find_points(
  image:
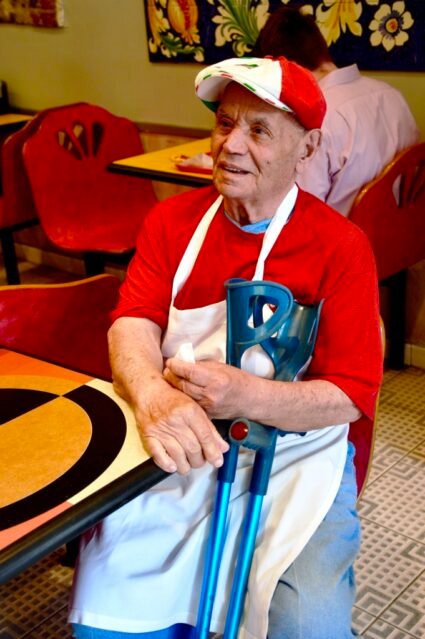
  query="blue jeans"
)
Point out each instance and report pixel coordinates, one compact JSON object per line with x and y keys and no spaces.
{"x":314,"y":597}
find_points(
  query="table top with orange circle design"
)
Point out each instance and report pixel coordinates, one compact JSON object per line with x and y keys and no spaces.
{"x":70,"y":454}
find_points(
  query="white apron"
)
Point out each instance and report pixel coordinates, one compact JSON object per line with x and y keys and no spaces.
{"x":156,"y":543}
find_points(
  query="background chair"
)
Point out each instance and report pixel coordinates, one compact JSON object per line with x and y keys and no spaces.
{"x":83,"y":207}
{"x":16,"y":206}
{"x":17,"y":209}
{"x":63,"y":323}
{"x":391,"y":211}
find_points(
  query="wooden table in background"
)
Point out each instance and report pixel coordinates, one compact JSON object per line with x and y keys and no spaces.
{"x":70,"y":454}
{"x":13,"y":120}
{"x":160,"y":165}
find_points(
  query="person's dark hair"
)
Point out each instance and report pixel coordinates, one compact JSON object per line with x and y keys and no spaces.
{"x":294,"y":35}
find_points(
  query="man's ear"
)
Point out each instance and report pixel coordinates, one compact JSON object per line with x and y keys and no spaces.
{"x":309,"y":145}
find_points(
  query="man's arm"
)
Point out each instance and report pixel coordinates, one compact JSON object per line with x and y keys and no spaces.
{"x":225,"y":392}
{"x":174,"y":429}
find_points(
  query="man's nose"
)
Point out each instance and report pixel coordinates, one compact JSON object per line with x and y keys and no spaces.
{"x":235,"y":141}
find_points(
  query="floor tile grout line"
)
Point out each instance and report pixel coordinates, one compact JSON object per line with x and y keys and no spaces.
{"x":389,"y":398}
{"x":406,"y":454}
{"x":38,"y":625}
{"x":392,"y":530}
{"x":375,"y":479}
{"x":411,"y":412}
{"x":388,"y":623}
{"x":407,"y":634}
{"x":380,"y":618}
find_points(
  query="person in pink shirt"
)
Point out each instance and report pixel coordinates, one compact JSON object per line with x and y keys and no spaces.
{"x":367,"y":121}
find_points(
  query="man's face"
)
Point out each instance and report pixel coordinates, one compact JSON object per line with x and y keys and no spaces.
{"x":255,"y":148}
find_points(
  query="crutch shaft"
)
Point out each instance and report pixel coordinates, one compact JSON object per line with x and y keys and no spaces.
{"x":243,"y":566}
{"x":216,"y":542}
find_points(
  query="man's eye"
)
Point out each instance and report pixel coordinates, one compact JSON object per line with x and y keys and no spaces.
{"x":259,"y":131}
{"x":224,"y":124}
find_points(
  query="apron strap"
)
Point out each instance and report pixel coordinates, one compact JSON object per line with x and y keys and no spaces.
{"x":276,"y":225}
{"x":192,"y":251}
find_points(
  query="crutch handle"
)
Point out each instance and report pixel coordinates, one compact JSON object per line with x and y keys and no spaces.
{"x":245,"y":432}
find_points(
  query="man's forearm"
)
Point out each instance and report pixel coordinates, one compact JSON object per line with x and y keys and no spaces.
{"x":135,"y":355}
{"x":174,"y":429}
{"x":226,"y":392}
{"x":299,"y":406}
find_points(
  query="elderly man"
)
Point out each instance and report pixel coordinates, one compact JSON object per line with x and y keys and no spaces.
{"x":140,"y":570}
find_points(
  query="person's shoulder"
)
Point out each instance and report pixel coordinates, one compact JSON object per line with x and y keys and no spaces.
{"x":379,"y":85}
{"x":347,"y":87}
{"x":340,"y":242}
{"x":370,"y":86}
{"x":327,"y":224}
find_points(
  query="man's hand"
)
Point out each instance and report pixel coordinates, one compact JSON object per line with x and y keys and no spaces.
{"x":218,"y":388}
{"x":177,"y":432}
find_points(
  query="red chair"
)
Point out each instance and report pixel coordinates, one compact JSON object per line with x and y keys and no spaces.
{"x":391,"y":211}
{"x":83,"y":207}
{"x":362,"y":434}
{"x":17,"y":210}
{"x":65,"y":324}
{"x":16,"y":206}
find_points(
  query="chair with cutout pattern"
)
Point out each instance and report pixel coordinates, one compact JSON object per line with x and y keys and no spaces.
{"x":82,"y":206}
{"x":17,"y":209}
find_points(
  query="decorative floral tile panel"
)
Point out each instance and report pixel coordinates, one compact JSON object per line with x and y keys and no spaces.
{"x":376,"y":34}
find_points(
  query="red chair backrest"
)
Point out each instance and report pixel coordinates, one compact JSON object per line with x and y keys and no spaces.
{"x":390,"y":210}
{"x":362,"y":434}
{"x":65,"y":324}
{"x":82,"y":205}
{"x":18,"y":203}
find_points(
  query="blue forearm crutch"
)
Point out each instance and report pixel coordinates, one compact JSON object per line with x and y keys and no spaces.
{"x":288,"y":338}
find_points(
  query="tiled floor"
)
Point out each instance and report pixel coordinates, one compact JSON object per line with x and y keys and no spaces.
{"x":391,"y":566}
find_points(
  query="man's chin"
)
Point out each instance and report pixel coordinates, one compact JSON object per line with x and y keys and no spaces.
{"x":231,"y":186}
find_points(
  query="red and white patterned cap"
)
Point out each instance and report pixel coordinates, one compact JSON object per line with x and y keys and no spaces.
{"x":278,"y":81}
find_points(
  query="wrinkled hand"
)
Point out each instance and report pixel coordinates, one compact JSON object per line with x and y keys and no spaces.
{"x":218,"y":388}
{"x":177,"y":433}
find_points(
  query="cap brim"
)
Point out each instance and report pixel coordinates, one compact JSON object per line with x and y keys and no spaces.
{"x":211,"y":88}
